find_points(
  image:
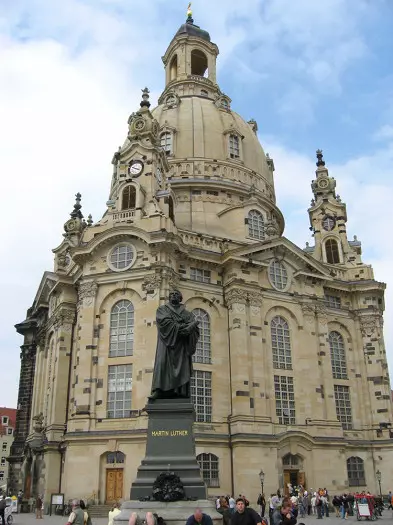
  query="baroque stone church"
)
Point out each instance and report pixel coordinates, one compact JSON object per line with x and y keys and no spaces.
{"x":290,"y":372}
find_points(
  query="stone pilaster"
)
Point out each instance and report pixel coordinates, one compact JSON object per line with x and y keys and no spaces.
{"x":86,"y":350}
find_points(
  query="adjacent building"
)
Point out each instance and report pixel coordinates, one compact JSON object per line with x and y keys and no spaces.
{"x":290,"y":373}
{"x":7,"y":427}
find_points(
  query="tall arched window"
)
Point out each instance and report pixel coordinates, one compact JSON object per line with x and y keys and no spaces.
{"x":332,"y":252}
{"x":281,"y":343}
{"x":122,"y":329}
{"x":173,"y":68}
{"x":171,"y":210}
{"x":128,"y":200}
{"x":355,"y":469}
{"x":166,"y":142}
{"x":203,"y":349}
{"x":337,"y":356}
{"x":208,"y":464}
{"x":256,"y":225}
{"x":198,"y":63}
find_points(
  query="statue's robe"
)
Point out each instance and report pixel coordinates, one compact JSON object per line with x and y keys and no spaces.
{"x":175,"y":348}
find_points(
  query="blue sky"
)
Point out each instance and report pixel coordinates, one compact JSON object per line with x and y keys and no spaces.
{"x":313,"y":75}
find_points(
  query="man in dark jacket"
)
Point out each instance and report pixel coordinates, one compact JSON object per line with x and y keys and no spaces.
{"x":283,"y":515}
{"x":245,"y":515}
{"x":3,"y":505}
{"x":199,"y":518}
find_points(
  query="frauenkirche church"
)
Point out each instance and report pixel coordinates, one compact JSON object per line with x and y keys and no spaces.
{"x":290,"y":371}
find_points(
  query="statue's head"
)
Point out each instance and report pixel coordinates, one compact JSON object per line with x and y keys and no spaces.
{"x":175,"y":297}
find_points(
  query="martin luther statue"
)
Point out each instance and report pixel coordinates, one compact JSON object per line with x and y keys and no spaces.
{"x":178,"y":335}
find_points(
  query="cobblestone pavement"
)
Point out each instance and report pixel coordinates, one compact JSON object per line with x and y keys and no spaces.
{"x":29,"y":519}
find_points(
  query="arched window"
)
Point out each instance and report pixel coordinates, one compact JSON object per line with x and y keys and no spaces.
{"x":337,"y":355}
{"x":171,"y":210}
{"x":355,"y":469}
{"x":203,"y":349}
{"x":234,"y":146}
{"x":332,"y":253}
{"x":166,"y":142}
{"x":281,"y":343}
{"x":208,"y":464}
{"x":198,"y":63}
{"x":122,"y":329}
{"x":115,"y":457}
{"x":128,"y":200}
{"x":291,"y":461}
{"x":173,"y":68}
{"x":256,"y":225}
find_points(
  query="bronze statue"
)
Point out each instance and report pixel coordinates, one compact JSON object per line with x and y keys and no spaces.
{"x":178,"y":335}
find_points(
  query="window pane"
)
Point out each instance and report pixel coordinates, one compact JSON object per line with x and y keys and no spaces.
{"x":343,"y":406}
{"x":208,"y":464}
{"x":256,"y":225}
{"x":121,"y":338}
{"x":281,"y":343}
{"x":203,"y":349}
{"x":337,"y":355}
{"x":201,"y":395}
{"x":278,"y":275}
{"x":119,"y":391}
{"x":285,"y":408}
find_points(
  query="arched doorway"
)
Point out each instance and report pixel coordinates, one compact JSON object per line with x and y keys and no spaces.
{"x":293,"y":473}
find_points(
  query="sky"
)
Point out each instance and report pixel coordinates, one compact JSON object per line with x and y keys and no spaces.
{"x":312,"y":74}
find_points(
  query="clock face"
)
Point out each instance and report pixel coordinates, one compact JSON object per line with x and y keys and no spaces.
{"x":328,"y":223}
{"x":323,"y":183}
{"x":136,"y":168}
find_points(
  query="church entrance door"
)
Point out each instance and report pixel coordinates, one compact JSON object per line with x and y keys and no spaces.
{"x":114,"y":485}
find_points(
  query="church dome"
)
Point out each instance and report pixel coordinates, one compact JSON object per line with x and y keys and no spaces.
{"x":203,"y":129}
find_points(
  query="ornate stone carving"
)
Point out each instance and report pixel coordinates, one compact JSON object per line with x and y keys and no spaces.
{"x":235,"y":296}
{"x":320,"y":310}
{"x":38,"y":422}
{"x":86,"y":293}
{"x":254,"y":298}
{"x":151,"y":282}
{"x":255,"y":311}
{"x":41,"y":339}
{"x":308,"y":309}
{"x":64,"y":319}
{"x":368,"y":325}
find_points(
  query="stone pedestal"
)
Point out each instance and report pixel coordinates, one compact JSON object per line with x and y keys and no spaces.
{"x":175,"y":513}
{"x":170,"y":447}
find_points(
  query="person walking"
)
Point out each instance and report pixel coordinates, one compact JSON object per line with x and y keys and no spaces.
{"x":38,"y":507}
{"x":262,"y":503}
{"x":3,"y":505}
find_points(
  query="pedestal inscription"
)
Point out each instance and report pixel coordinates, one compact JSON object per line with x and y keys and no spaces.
{"x":170,"y":447}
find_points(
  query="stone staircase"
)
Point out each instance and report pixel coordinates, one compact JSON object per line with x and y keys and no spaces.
{"x":99,"y":511}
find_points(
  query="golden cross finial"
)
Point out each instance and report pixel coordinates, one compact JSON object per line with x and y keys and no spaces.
{"x":189,"y":11}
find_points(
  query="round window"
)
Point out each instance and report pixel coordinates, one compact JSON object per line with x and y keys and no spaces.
{"x":121,"y":257}
{"x":278,"y":275}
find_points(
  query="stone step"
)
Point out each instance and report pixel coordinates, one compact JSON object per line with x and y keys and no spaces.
{"x":99,"y":511}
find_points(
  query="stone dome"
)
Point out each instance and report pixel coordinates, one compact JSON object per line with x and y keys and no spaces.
{"x":201,"y":131}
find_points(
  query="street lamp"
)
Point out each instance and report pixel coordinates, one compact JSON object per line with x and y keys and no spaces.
{"x":262,"y":478}
{"x":378,"y":475}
